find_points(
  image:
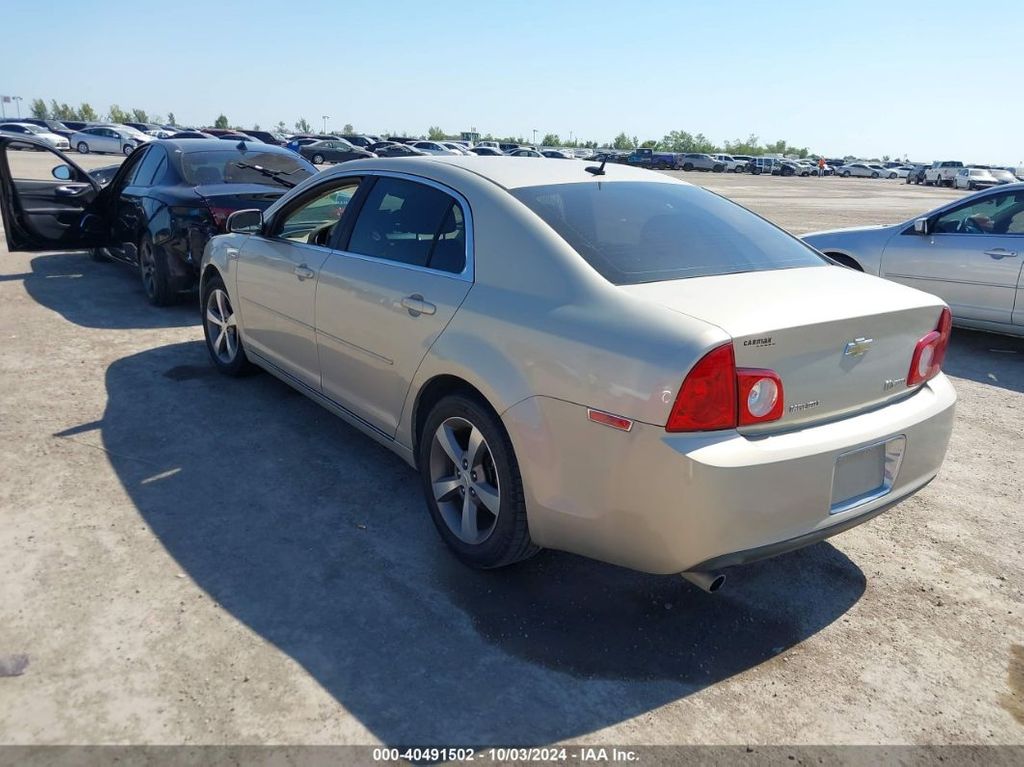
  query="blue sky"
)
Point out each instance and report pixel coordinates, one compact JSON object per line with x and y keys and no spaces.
{"x":932,"y":80}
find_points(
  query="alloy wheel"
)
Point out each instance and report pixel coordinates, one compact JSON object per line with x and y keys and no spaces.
{"x":82,"y":147}
{"x":464,"y":480}
{"x":147,"y":264}
{"x":222,"y":329}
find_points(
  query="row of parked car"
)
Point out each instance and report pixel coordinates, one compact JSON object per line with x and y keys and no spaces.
{"x":955,"y":174}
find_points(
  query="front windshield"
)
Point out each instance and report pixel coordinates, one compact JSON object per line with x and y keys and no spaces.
{"x":640,"y":231}
{"x":34,"y":129}
{"x":221,"y":166}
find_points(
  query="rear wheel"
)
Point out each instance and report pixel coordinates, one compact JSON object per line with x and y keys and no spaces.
{"x":472,"y":484}
{"x":687,"y":166}
{"x":127,"y":149}
{"x":156,"y":279}
{"x":846,"y":174}
{"x":82,"y":148}
{"x":874,"y":174}
{"x":318,"y":159}
{"x":220,"y":327}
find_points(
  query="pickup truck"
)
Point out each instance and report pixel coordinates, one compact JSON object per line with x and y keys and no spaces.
{"x":648,"y":158}
{"x":942,"y":172}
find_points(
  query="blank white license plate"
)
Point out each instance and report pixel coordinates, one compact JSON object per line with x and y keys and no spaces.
{"x":865,"y":474}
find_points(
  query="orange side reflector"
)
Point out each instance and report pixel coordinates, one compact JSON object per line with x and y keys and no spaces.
{"x":607,"y":419}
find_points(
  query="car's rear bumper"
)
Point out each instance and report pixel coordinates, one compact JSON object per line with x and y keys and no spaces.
{"x":665,"y":503}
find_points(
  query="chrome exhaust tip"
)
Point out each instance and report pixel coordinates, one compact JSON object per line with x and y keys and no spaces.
{"x":710,"y":582}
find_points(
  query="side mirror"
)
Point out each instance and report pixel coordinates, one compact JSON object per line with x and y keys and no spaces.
{"x":62,"y":173}
{"x":245,"y":222}
{"x":921,"y":225}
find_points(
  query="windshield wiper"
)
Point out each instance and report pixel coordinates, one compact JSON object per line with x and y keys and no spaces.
{"x":274,"y":174}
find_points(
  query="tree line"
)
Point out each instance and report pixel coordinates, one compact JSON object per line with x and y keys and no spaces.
{"x":673,"y":141}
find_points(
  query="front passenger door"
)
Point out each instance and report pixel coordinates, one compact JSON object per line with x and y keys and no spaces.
{"x":277,"y":279}
{"x":47,"y":205}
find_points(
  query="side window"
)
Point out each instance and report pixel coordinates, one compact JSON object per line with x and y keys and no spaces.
{"x":991,"y":215}
{"x":146,"y":169}
{"x":407,"y":222}
{"x":37,"y":165}
{"x":313,"y":221}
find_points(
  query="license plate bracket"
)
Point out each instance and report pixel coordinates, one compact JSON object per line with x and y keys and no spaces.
{"x":866,"y":474}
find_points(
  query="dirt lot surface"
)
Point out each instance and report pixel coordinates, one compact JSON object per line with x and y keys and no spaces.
{"x":191,"y":559}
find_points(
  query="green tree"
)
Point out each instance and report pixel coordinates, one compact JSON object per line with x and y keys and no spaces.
{"x":117,"y":115}
{"x":140,"y":116}
{"x":751,"y":145}
{"x":348,"y":128}
{"x":221,"y":122}
{"x":302,"y":125}
{"x":281,"y":127}
{"x":551,"y":139}
{"x":171,"y":119}
{"x":62,"y":111}
{"x":622,"y":141}
{"x":649,"y":144}
{"x":255,"y":126}
{"x":39,"y":110}
{"x":434,"y":133}
{"x":86,"y":112}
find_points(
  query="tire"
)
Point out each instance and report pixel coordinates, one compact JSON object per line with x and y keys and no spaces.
{"x":687,"y":166}
{"x":874,"y":174}
{"x":318,"y":159}
{"x":155,"y":275}
{"x":846,"y":174}
{"x":893,"y":175}
{"x":127,"y":149}
{"x":972,"y":186}
{"x":718,"y":168}
{"x":476,"y":535}
{"x":82,"y":148}
{"x":223,"y":342}
{"x":846,"y":261}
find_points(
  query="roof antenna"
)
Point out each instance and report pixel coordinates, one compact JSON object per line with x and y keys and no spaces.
{"x":595,"y":170}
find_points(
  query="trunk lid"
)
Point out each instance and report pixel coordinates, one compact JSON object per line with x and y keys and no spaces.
{"x":840,"y":340}
{"x":240,"y":196}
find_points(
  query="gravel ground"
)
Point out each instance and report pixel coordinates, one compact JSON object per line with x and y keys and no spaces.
{"x":188,"y":559}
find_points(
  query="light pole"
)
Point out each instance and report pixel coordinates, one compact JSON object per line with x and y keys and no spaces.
{"x":326,"y":118}
{"x":17,"y":101}
{"x":535,"y":137}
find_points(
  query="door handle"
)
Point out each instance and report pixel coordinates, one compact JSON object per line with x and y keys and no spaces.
{"x":303,"y":272}
{"x":417,"y":306}
{"x":69,"y":191}
{"x":1001,"y":253}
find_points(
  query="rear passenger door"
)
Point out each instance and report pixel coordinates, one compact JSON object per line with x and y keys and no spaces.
{"x":386,"y":292}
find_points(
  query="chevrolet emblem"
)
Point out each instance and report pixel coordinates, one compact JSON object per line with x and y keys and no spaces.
{"x":858,"y":347}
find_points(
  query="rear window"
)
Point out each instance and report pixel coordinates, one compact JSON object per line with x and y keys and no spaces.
{"x":222,"y":166}
{"x":640,"y":231}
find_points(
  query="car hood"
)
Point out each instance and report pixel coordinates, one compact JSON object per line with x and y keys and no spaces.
{"x":852,"y":230}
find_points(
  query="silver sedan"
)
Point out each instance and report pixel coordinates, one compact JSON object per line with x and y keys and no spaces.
{"x":603,"y":360}
{"x":967,"y":252}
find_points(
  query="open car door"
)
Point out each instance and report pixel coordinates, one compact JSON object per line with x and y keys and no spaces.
{"x":47,"y":202}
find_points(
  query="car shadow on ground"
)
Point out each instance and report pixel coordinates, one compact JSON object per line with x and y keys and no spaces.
{"x":987,"y":358}
{"x":97,"y":294}
{"x":318,"y":540}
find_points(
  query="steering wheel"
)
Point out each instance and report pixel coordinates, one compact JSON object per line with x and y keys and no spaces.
{"x":969,"y":226}
{"x":321,"y":234}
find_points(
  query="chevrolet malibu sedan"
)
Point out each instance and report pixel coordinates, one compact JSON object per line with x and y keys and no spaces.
{"x":602,"y":360}
{"x":967,"y":252}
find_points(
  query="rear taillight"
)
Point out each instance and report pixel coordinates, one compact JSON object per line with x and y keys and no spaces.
{"x":220,"y":216}
{"x":931,"y":351}
{"x":718,"y":395}
{"x":759,"y":395}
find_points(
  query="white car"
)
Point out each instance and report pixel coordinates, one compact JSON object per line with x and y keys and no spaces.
{"x":863,"y":170}
{"x":435,"y":147}
{"x":457,"y":148}
{"x":57,"y":142}
{"x":109,"y":139}
{"x":732,"y":165}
